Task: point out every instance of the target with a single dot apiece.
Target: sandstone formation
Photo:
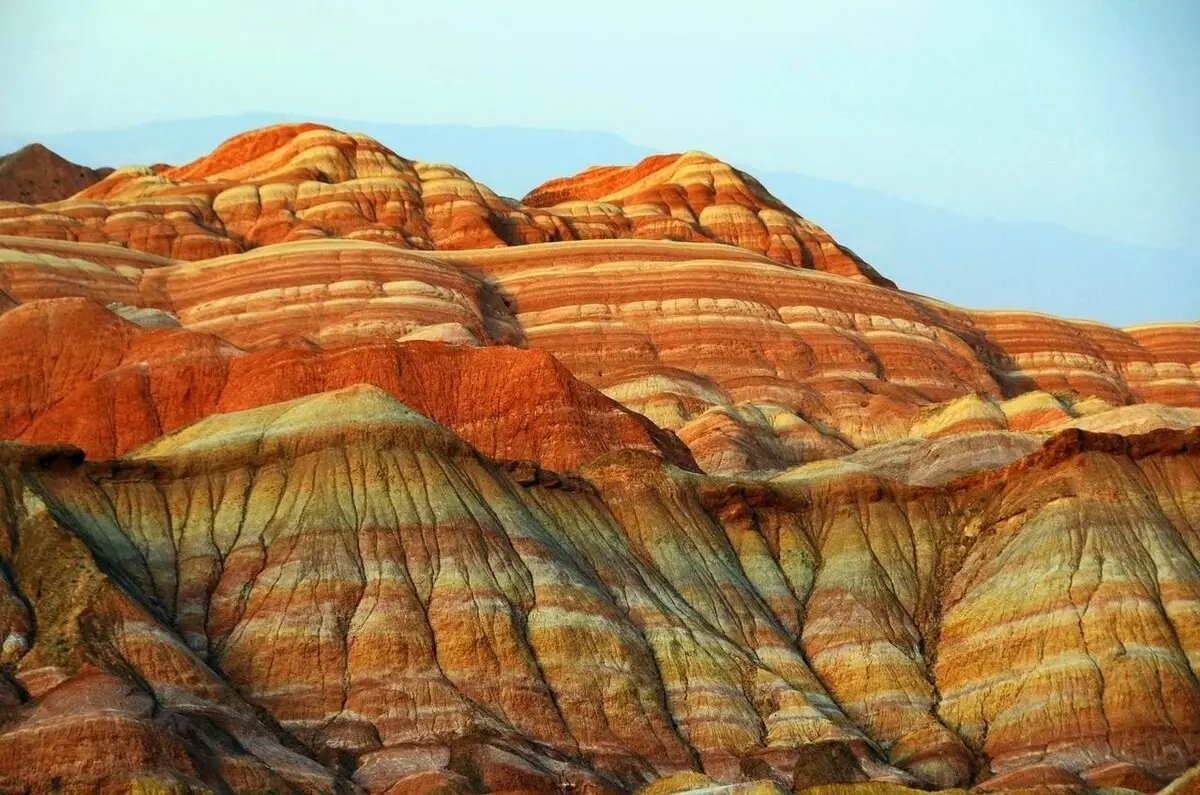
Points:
(756, 366)
(399, 604)
(303, 181)
(99, 696)
(72, 371)
(35, 175)
(329, 471)
(696, 198)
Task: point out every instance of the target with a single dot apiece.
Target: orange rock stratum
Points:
(329, 471)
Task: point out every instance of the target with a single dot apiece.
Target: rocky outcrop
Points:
(50, 348)
(401, 606)
(295, 182)
(696, 198)
(334, 472)
(99, 695)
(35, 175)
(673, 332)
(72, 371)
(756, 366)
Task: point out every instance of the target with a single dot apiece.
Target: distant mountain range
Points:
(976, 262)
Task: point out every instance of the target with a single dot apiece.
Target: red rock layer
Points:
(33, 268)
(330, 293)
(696, 198)
(35, 175)
(1153, 363)
(670, 330)
(302, 181)
(672, 337)
(72, 372)
(50, 348)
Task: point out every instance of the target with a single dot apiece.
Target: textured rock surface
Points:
(404, 507)
(695, 198)
(300, 181)
(673, 332)
(756, 366)
(398, 604)
(105, 698)
(34, 175)
(71, 371)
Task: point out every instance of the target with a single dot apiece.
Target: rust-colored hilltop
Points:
(35, 175)
(696, 198)
(325, 470)
(302, 181)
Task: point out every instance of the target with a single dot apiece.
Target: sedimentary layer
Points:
(402, 606)
(302, 181)
(334, 472)
(73, 371)
(756, 366)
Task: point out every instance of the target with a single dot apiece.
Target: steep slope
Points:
(49, 348)
(35, 175)
(643, 482)
(302, 181)
(400, 605)
(98, 693)
(755, 365)
(71, 371)
(695, 197)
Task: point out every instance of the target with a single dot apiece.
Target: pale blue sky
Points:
(1082, 113)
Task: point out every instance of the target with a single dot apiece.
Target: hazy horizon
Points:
(1075, 115)
(10, 137)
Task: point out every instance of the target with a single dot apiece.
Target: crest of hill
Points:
(33, 175)
(366, 411)
(292, 182)
(692, 195)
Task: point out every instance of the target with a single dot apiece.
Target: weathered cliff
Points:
(398, 604)
(331, 471)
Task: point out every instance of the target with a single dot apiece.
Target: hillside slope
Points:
(33, 174)
(328, 471)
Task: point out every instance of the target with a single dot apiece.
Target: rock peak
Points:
(312, 421)
(35, 174)
(616, 184)
(306, 180)
(324, 470)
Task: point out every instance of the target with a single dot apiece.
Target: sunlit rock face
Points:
(696, 198)
(398, 603)
(756, 366)
(302, 181)
(329, 471)
(76, 372)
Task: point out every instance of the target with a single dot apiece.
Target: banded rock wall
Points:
(412, 497)
(755, 365)
(393, 599)
(302, 181)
